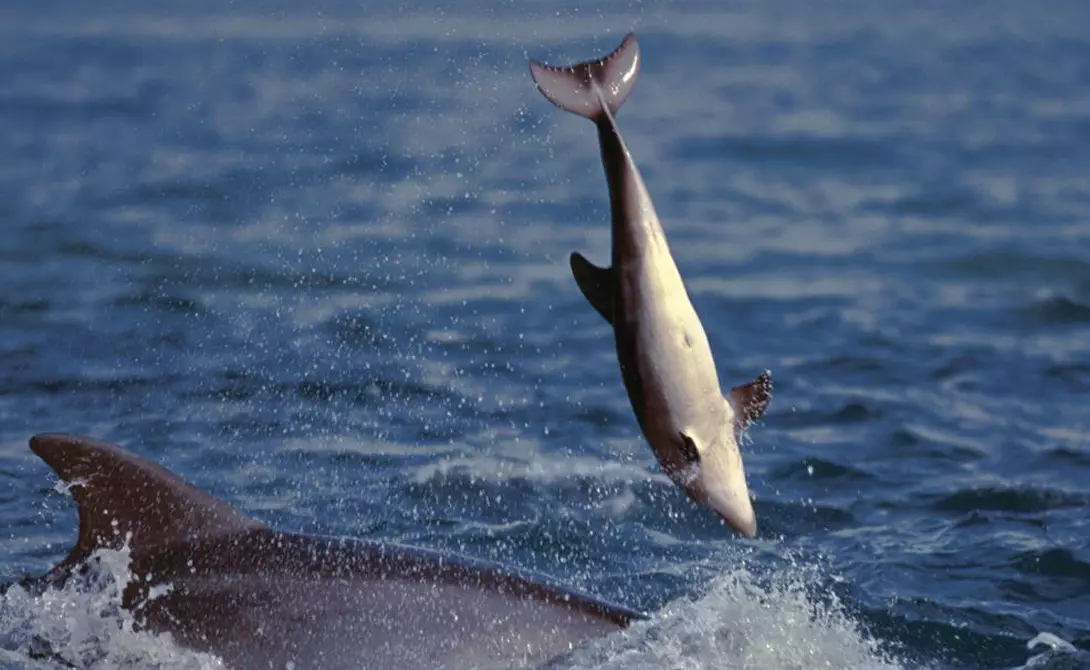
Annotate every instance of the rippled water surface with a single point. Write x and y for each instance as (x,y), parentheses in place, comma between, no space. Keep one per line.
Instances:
(313,257)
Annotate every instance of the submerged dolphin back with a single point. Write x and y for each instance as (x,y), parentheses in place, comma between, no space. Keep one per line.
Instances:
(256,597)
(592,88)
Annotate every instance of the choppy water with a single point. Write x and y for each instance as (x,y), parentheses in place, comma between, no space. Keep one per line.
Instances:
(313,258)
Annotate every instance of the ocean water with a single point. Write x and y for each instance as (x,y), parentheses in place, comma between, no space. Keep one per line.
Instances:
(313,258)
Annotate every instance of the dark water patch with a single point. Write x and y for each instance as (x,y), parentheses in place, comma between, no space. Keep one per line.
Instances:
(241,385)
(937,642)
(13,308)
(961,366)
(551,543)
(827,153)
(369,392)
(363,464)
(41,109)
(228,385)
(375,163)
(355,212)
(1025,264)
(473,348)
(973,519)
(847,413)
(599,415)
(798,519)
(485,368)
(1073,376)
(856,412)
(1053,311)
(84,249)
(932,202)
(83,385)
(923,443)
(217,188)
(250,426)
(1070,456)
(1008,499)
(162,302)
(817,469)
(767,204)
(583,212)
(229,275)
(850,367)
(479,495)
(646,590)
(359,328)
(450,205)
(1056,563)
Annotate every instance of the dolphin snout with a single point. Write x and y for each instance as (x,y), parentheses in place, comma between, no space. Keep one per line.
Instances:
(738,515)
(721,485)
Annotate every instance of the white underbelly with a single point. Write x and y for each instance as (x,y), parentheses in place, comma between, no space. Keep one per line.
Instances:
(676,370)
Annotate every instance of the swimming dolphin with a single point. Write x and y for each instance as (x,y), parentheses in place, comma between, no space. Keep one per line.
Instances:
(665,359)
(256,597)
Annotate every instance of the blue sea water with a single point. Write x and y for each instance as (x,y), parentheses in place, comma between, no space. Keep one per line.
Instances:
(313,257)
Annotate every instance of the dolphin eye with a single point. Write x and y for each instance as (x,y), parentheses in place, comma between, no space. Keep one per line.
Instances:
(688,449)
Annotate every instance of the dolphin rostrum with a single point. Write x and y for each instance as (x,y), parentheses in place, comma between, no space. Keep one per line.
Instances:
(665,359)
(223,583)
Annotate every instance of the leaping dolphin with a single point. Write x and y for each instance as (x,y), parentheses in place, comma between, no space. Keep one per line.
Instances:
(256,597)
(665,359)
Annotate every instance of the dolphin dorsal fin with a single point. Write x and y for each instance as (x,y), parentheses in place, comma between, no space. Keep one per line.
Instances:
(749,401)
(118,493)
(596,284)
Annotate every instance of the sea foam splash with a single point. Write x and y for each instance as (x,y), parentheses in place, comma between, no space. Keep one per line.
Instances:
(740,623)
(84,625)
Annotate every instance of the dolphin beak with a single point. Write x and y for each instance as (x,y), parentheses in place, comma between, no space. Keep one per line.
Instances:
(738,514)
(721,485)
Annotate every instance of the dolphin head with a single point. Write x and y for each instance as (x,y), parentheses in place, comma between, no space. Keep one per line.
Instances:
(715,475)
(715,478)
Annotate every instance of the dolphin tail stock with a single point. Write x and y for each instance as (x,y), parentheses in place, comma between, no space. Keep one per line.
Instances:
(123,498)
(594,88)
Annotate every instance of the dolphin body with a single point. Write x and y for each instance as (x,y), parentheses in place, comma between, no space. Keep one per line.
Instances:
(257,597)
(665,359)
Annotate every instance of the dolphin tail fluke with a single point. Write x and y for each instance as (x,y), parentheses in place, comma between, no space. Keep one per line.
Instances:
(124,499)
(590,89)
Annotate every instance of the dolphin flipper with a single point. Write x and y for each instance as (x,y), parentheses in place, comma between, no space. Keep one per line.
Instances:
(596,284)
(123,498)
(749,401)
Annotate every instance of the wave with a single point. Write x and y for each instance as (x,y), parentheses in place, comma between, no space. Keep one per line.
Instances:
(740,622)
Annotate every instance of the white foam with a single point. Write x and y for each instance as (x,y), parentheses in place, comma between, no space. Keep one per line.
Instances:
(84,625)
(738,623)
(1055,647)
(543,470)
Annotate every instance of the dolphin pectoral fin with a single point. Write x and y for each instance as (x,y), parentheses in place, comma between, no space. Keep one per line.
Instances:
(689,449)
(596,284)
(749,401)
(686,469)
